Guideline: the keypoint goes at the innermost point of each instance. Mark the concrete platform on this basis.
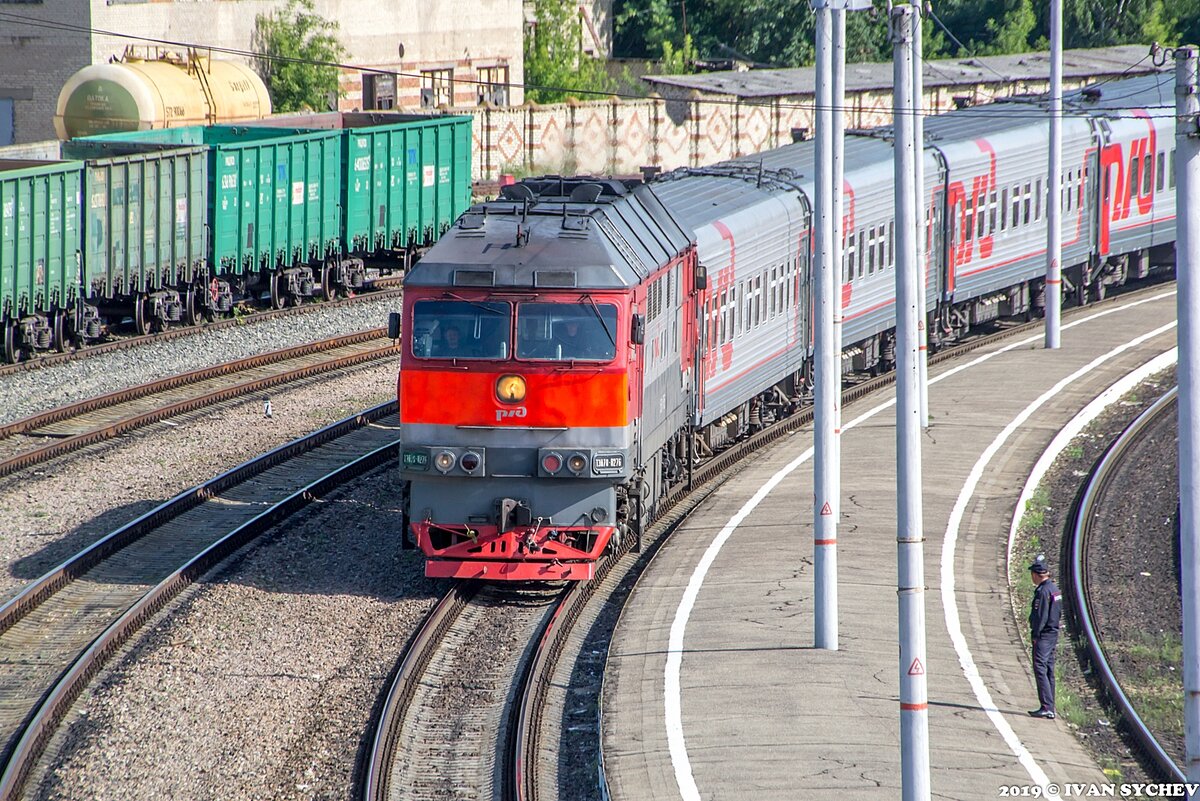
(757, 712)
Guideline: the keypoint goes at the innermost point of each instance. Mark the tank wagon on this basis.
(528, 447)
(171, 225)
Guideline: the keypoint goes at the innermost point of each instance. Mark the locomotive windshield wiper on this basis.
(474, 303)
(596, 311)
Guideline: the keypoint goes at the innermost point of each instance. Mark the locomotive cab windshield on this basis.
(555, 331)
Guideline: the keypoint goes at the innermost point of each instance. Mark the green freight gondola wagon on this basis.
(273, 200)
(144, 221)
(407, 179)
(40, 270)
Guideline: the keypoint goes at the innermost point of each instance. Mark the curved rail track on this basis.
(63, 628)
(1079, 532)
(97, 419)
(384, 288)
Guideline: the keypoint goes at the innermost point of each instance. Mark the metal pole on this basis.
(910, 578)
(837, 248)
(1187, 261)
(1054, 191)
(922, 215)
(827, 375)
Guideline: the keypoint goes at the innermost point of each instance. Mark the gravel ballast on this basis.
(33, 391)
(262, 683)
(57, 509)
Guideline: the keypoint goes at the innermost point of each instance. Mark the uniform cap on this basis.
(1039, 564)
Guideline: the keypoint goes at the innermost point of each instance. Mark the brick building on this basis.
(453, 52)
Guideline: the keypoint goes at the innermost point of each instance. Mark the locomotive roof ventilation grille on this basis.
(474, 278)
(554, 279)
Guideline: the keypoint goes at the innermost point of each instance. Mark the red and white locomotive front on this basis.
(519, 388)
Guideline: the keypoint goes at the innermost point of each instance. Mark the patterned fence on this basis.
(620, 136)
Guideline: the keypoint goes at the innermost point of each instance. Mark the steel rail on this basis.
(51, 359)
(416, 658)
(1079, 529)
(58, 700)
(61, 447)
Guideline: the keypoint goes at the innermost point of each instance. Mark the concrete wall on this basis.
(36, 61)
(619, 137)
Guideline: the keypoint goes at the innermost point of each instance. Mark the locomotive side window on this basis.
(460, 329)
(567, 331)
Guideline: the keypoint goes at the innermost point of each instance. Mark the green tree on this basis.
(1012, 32)
(300, 51)
(555, 65)
(678, 61)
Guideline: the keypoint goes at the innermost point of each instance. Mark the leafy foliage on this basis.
(556, 67)
(780, 33)
(300, 49)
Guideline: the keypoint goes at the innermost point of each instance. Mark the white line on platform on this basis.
(950, 604)
(672, 696)
(1071, 430)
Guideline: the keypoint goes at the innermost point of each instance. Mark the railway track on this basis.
(63, 628)
(56, 432)
(1081, 547)
(386, 288)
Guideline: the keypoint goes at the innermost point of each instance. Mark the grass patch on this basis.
(1154, 688)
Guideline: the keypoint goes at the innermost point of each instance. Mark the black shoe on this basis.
(1048, 714)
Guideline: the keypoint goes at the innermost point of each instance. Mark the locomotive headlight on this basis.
(577, 463)
(469, 461)
(444, 461)
(552, 462)
(510, 388)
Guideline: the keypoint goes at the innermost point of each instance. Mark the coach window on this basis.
(1132, 180)
(969, 219)
(1160, 164)
(992, 215)
(891, 240)
(980, 216)
(1004, 209)
(455, 329)
(880, 244)
(1147, 174)
(1171, 171)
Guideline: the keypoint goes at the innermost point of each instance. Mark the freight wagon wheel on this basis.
(8, 344)
(278, 291)
(60, 331)
(329, 287)
(140, 321)
(191, 307)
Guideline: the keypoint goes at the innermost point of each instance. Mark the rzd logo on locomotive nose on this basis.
(518, 411)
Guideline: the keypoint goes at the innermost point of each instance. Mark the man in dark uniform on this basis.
(1043, 629)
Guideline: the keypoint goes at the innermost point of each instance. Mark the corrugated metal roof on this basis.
(1093, 63)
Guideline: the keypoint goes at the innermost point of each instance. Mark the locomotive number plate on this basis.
(607, 463)
(416, 460)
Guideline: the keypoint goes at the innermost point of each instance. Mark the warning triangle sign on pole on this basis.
(916, 668)
(826, 509)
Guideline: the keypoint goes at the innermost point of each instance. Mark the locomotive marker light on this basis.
(577, 463)
(510, 388)
(910, 535)
(469, 462)
(444, 461)
(552, 462)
